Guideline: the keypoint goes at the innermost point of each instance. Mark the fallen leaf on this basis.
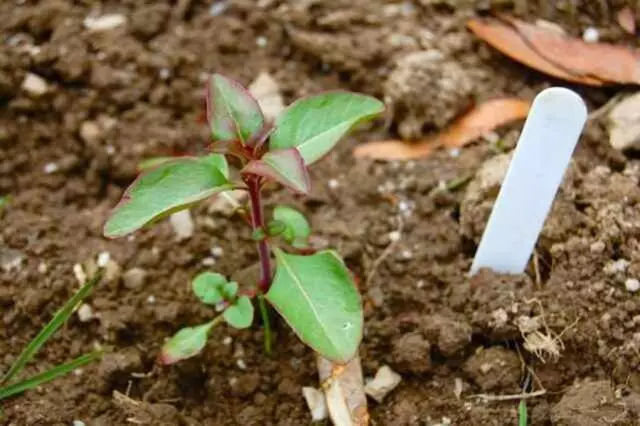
(564, 57)
(627, 20)
(479, 121)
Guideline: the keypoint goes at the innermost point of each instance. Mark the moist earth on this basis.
(466, 348)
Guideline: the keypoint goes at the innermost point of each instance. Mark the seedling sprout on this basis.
(313, 291)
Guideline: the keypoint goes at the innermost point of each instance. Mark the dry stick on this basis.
(385, 253)
(608, 106)
(523, 395)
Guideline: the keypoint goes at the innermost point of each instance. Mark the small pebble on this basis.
(151, 299)
(217, 251)
(420, 284)
(90, 132)
(104, 22)
(591, 35)
(134, 278)
(79, 273)
(42, 268)
(261, 41)
(182, 224)
(394, 236)
(51, 168)
(34, 85)
(103, 259)
(78, 423)
(218, 8)
(454, 153)
(333, 183)
(209, 261)
(615, 267)
(85, 313)
(227, 340)
(164, 73)
(597, 247)
(384, 382)
(406, 254)
(241, 364)
(632, 285)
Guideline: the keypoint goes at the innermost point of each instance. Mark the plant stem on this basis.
(264, 312)
(257, 222)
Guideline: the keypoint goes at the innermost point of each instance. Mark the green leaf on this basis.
(218, 160)
(314, 125)
(187, 342)
(240, 314)
(317, 297)
(232, 112)
(285, 166)
(212, 288)
(522, 413)
(60, 317)
(297, 229)
(152, 162)
(172, 186)
(4, 201)
(49, 375)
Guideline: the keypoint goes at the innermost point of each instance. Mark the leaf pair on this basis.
(212, 289)
(304, 132)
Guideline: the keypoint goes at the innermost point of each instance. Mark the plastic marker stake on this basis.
(547, 141)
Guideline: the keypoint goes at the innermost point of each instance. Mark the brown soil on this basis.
(118, 96)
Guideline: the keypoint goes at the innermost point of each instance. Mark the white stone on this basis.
(261, 41)
(10, 259)
(267, 92)
(34, 85)
(104, 22)
(333, 183)
(316, 403)
(591, 35)
(151, 299)
(384, 382)
(217, 251)
(50, 168)
(394, 236)
(103, 259)
(134, 278)
(85, 313)
(632, 285)
(78, 272)
(90, 132)
(182, 225)
(624, 123)
(616, 266)
(241, 364)
(78, 423)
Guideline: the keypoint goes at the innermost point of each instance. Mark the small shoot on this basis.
(7, 388)
(523, 417)
(314, 292)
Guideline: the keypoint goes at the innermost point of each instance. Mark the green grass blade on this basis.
(58, 319)
(522, 413)
(48, 376)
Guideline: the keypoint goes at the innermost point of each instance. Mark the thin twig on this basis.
(385, 253)
(517, 396)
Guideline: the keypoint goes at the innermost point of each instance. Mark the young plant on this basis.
(313, 291)
(7, 388)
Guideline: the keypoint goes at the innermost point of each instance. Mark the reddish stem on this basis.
(257, 222)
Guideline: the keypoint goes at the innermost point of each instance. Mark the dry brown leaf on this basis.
(627, 19)
(568, 58)
(477, 122)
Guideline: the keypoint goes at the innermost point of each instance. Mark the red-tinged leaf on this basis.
(477, 122)
(233, 114)
(284, 166)
(561, 56)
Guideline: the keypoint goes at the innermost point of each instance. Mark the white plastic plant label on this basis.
(542, 154)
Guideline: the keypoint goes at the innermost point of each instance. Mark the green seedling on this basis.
(523, 417)
(313, 291)
(10, 387)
